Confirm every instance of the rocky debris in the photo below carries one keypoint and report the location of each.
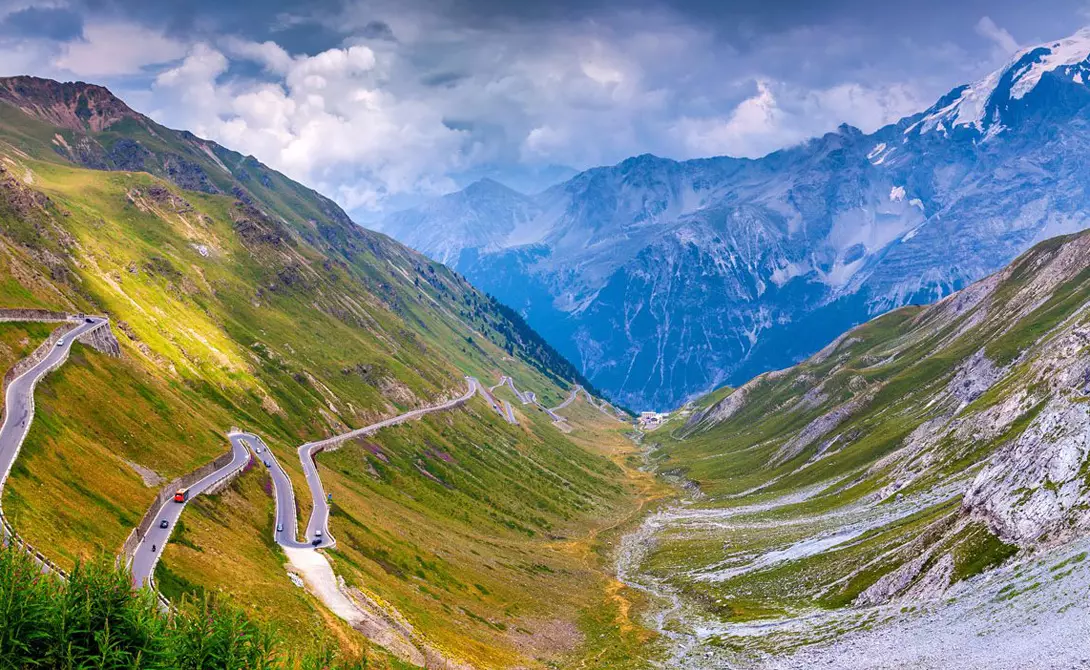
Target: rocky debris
(813, 398)
(950, 308)
(150, 477)
(164, 197)
(255, 228)
(729, 406)
(909, 467)
(820, 427)
(187, 174)
(1049, 270)
(973, 377)
(23, 201)
(128, 155)
(934, 583)
(1026, 615)
(844, 341)
(891, 584)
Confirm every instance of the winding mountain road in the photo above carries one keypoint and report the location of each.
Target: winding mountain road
(567, 401)
(19, 396)
(285, 532)
(144, 558)
(524, 397)
(19, 406)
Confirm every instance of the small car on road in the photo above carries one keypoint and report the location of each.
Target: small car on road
(164, 524)
(266, 463)
(60, 342)
(316, 541)
(279, 527)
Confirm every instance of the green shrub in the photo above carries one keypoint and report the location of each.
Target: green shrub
(95, 619)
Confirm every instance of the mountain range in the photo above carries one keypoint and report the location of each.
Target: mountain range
(661, 278)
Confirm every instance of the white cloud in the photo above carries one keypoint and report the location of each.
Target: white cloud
(362, 124)
(1002, 39)
(753, 128)
(778, 115)
(324, 121)
(112, 49)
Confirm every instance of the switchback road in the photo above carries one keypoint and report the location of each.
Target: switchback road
(144, 559)
(19, 397)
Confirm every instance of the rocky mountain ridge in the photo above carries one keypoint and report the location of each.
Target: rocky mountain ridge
(931, 455)
(663, 278)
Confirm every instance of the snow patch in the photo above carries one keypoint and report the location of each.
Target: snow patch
(971, 106)
(1068, 51)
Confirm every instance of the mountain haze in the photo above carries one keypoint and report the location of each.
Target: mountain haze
(660, 278)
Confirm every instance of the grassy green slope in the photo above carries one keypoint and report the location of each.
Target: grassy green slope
(254, 302)
(925, 430)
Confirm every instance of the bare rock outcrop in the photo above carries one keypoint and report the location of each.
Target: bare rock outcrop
(973, 377)
(1034, 490)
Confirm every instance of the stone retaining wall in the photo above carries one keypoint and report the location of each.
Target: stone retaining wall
(128, 549)
(7, 533)
(102, 339)
(7, 314)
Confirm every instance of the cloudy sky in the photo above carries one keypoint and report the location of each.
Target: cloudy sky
(381, 103)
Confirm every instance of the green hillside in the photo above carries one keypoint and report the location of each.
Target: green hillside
(241, 298)
(916, 451)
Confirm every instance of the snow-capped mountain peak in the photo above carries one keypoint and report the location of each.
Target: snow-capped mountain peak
(979, 105)
(662, 278)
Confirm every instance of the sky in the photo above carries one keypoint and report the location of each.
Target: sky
(380, 104)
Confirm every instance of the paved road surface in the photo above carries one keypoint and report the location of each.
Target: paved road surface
(509, 413)
(496, 403)
(287, 525)
(19, 398)
(526, 398)
(144, 559)
(571, 396)
(319, 515)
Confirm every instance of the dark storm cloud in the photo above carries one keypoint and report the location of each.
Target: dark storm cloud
(53, 24)
(443, 78)
(378, 30)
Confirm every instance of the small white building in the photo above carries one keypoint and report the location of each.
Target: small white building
(652, 419)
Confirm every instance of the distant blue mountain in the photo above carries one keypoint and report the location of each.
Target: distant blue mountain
(661, 279)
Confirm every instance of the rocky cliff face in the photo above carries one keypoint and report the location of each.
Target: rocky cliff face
(71, 105)
(664, 278)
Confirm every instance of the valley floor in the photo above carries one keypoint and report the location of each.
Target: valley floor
(1029, 613)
